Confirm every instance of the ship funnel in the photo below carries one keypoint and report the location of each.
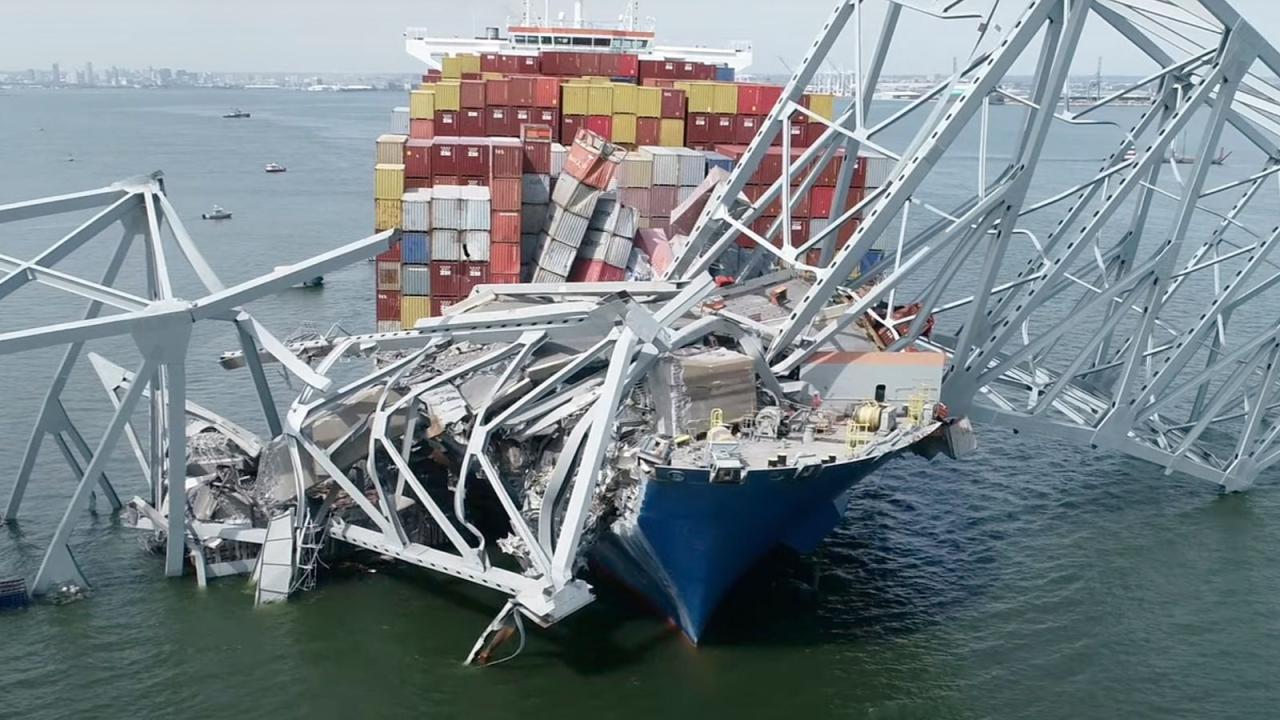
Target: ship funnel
(491, 33)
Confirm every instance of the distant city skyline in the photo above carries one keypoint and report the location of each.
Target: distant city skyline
(338, 36)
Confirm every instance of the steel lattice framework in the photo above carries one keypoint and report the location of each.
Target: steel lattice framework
(1072, 310)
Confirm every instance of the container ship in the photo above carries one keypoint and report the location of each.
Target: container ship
(576, 153)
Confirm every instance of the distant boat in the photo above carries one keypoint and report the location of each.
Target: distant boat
(274, 168)
(235, 114)
(217, 213)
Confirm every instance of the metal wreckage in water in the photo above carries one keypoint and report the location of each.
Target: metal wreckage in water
(673, 430)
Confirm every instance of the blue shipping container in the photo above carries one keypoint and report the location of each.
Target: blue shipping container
(870, 260)
(724, 74)
(716, 160)
(415, 248)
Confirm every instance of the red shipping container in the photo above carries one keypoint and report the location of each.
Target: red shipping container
(505, 194)
(546, 116)
(589, 63)
(585, 163)
(595, 271)
(757, 99)
(422, 129)
(499, 122)
(673, 103)
(662, 200)
(446, 123)
(549, 63)
(441, 180)
(601, 125)
(472, 76)
(390, 255)
(473, 181)
(411, 183)
(722, 128)
(799, 231)
(508, 158)
(800, 204)
(697, 129)
(504, 227)
(522, 91)
(444, 158)
(745, 128)
(497, 92)
(388, 305)
(446, 279)
(432, 76)
(440, 304)
(628, 66)
(504, 257)
(474, 156)
(859, 174)
(658, 69)
(648, 131)
(417, 159)
(523, 65)
(471, 274)
(471, 123)
(821, 199)
(471, 94)
(521, 117)
(569, 126)
(503, 278)
(830, 175)
(546, 92)
(799, 138)
(536, 156)
(536, 132)
(492, 63)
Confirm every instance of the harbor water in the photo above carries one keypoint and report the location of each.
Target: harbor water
(1035, 579)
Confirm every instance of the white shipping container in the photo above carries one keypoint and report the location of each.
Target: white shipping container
(542, 275)
(389, 326)
(574, 196)
(415, 209)
(625, 224)
(567, 227)
(446, 208)
(878, 169)
(446, 245)
(476, 206)
(666, 165)
(388, 272)
(558, 154)
(416, 280)
(557, 257)
(475, 245)
(605, 213)
(400, 121)
(390, 149)
(617, 251)
(594, 246)
(636, 170)
(684, 193)
(535, 189)
(693, 167)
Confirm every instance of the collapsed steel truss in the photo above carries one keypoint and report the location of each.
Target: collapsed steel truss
(1069, 314)
(1103, 331)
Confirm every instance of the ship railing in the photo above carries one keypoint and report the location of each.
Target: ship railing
(857, 436)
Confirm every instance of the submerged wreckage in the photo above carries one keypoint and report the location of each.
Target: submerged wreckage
(671, 430)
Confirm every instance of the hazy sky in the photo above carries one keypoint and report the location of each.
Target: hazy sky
(365, 35)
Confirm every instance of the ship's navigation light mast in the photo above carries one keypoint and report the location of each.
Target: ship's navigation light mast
(577, 13)
(631, 15)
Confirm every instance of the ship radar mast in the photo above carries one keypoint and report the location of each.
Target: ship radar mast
(631, 15)
(577, 13)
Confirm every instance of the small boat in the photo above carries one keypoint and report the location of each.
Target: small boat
(235, 114)
(274, 168)
(217, 213)
(315, 282)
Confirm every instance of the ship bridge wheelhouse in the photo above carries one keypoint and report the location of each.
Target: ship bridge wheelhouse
(550, 39)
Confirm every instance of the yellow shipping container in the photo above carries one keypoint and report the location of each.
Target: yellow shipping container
(823, 105)
(386, 214)
(412, 309)
(574, 99)
(702, 97)
(600, 100)
(391, 149)
(451, 67)
(649, 102)
(448, 95)
(726, 98)
(422, 104)
(470, 63)
(671, 133)
(624, 99)
(597, 80)
(624, 128)
(388, 181)
(492, 76)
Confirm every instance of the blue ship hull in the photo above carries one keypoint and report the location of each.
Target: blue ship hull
(692, 539)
